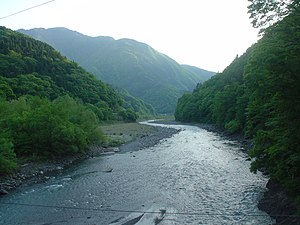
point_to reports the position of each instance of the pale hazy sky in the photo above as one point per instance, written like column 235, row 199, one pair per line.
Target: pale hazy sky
column 203, row 33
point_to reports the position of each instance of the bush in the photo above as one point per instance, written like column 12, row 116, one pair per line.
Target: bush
column 7, row 155
column 128, row 115
column 233, row 126
column 44, row 128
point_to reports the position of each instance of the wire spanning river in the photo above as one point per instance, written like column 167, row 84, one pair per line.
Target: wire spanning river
column 195, row 177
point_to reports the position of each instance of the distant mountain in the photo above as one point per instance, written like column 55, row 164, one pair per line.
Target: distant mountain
column 50, row 107
column 143, row 109
column 203, row 74
column 31, row 67
column 126, row 63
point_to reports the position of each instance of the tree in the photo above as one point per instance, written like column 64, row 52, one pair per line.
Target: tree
column 129, row 115
column 34, row 126
column 259, row 94
column 265, row 13
column 7, row 154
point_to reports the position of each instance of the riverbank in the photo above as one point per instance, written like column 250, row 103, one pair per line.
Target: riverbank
column 279, row 205
column 121, row 138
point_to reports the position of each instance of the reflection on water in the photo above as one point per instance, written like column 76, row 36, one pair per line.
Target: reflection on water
column 195, row 177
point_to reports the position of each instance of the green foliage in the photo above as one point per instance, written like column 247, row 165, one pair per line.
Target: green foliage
column 272, row 80
column 30, row 67
column 162, row 97
column 128, row 64
column 186, row 109
column 220, row 100
column 49, row 106
column 44, row 128
column 7, row 155
column 128, row 115
column 233, row 126
column 259, row 95
column 267, row 12
column 6, row 91
column 143, row 109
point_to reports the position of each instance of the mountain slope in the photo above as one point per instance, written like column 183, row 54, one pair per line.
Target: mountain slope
column 125, row 63
column 49, row 106
column 46, row 73
column 203, row 74
column 30, row 67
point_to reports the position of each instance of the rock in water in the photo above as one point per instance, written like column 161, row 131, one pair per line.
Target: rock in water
column 3, row 192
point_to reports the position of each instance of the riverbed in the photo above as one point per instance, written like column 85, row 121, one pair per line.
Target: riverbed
column 194, row 177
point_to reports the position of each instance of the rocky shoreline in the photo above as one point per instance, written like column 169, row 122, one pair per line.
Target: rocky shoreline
column 279, row 205
column 146, row 141
column 36, row 172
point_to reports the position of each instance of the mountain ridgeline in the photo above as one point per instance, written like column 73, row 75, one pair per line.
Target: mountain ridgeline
column 128, row 64
column 49, row 105
column 259, row 95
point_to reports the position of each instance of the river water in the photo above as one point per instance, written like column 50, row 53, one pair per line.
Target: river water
column 195, row 177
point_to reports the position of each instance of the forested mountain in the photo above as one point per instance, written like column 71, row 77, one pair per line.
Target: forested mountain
column 126, row 63
column 143, row 109
column 50, row 106
column 32, row 67
column 203, row 74
column 259, row 95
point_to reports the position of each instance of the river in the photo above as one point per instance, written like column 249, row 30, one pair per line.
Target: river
column 194, row 177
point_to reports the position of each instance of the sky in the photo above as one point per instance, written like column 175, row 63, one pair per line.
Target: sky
column 208, row 34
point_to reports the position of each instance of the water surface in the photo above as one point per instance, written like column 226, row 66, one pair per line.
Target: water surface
column 196, row 177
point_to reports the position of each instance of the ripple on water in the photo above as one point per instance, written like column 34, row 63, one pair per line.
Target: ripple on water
column 196, row 175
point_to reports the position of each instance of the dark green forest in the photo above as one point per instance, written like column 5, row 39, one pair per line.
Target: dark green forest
column 134, row 66
column 50, row 106
column 142, row 109
column 259, row 95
